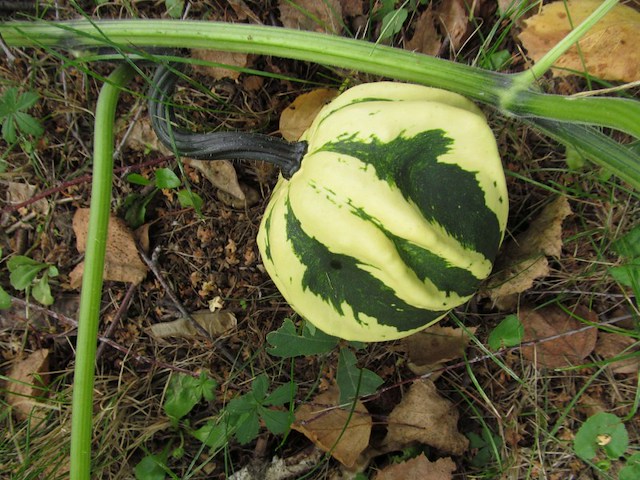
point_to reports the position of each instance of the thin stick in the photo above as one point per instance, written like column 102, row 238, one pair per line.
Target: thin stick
column 104, row 340
column 122, row 310
column 153, row 266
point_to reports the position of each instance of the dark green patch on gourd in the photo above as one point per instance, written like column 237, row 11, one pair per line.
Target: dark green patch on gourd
column 337, row 279
column 267, row 241
column 445, row 193
column 427, row 265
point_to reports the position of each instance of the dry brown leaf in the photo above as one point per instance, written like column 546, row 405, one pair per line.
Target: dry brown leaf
column 430, row 348
column 610, row 345
column 220, row 173
column 425, row 37
column 297, row 117
column 215, row 323
column 322, row 423
column 609, row 49
column 122, row 261
column 419, row 468
column 523, row 259
column 311, row 15
column 141, row 137
column 425, row 417
column 567, row 350
column 20, row 192
column 233, row 59
column 454, row 17
column 352, row 8
column 28, row 377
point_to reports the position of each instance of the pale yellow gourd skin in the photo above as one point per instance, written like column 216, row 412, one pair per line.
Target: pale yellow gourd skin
column 327, row 191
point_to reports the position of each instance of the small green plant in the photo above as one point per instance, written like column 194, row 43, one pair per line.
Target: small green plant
column 508, row 333
column 174, row 8
column 628, row 247
column 24, row 273
column 135, row 205
column 603, row 438
column 185, row 392
column 5, row 299
column 16, row 122
column 487, row 445
column 393, row 15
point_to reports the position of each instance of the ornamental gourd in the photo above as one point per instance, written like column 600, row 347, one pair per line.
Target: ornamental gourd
column 394, row 216
column 390, row 210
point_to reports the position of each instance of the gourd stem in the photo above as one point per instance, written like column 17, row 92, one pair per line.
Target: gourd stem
column 215, row 145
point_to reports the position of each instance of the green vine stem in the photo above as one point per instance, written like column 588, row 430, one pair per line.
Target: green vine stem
column 544, row 64
column 91, row 294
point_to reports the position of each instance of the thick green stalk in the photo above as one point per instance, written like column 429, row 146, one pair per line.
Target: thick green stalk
column 543, row 65
column 484, row 86
column 90, row 296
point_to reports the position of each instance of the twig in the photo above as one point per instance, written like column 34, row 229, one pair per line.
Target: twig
column 122, row 310
column 79, row 180
column 153, row 266
column 127, row 351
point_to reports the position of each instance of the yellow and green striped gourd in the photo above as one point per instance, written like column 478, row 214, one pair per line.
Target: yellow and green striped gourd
column 395, row 215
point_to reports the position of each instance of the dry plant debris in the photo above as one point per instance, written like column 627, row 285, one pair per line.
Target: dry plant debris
column 311, row 15
column 572, row 344
column 333, row 428
column 122, row 262
column 214, row 254
column 523, row 260
column 297, row 117
column 609, row 50
column 612, row 345
column 429, row 349
column 419, row 468
column 225, row 59
column 26, row 381
column 424, row 416
column 215, row 323
column 221, row 174
column 426, row 38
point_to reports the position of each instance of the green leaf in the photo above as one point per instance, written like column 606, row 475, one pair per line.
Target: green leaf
column 184, row 392
column 28, row 125
column 26, row 101
column 42, row 292
column 281, row 395
column 152, row 467
column 259, row 387
column 5, row 299
column 23, row 271
column 246, row 426
column 285, row 342
column 627, row 274
column 392, row 23
column 135, row 207
column 138, row 179
column 628, row 246
column 601, row 432
column 188, row 198
column 631, row 471
column 507, row 333
column 353, row 381
column 165, row 178
column 174, row 8
column 276, row 421
column 9, row 130
column 212, row 434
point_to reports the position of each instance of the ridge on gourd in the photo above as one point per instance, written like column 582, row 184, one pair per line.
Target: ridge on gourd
column 395, row 215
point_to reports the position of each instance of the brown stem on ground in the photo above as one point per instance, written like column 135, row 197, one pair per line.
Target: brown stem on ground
column 122, row 310
column 153, row 266
column 84, row 179
column 127, row 351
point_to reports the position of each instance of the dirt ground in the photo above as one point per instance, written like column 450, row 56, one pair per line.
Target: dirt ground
column 533, row 412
